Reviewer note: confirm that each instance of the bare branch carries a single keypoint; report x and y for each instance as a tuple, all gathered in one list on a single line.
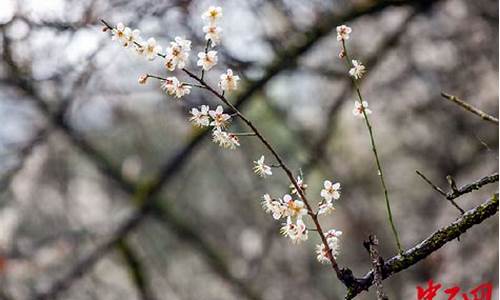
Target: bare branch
[(439, 190), (472, 186), (377, 263), (470, 108)]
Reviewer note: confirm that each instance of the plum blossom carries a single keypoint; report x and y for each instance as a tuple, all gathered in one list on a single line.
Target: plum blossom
[(175, 88), (332, 233), (300, 183), (357, 70), (228, 81), (200, 117), (220, 119), (143, 79), (332, 238), (331, 191), (212, 14), (343, 32), (275, 207), (326, 208), (296, 232), (207, 60), (149, 48), (118, 33), (261, 168), (359, 107), (294, 208), (212, 33), (131, 36), (177, 54), (225, 139)]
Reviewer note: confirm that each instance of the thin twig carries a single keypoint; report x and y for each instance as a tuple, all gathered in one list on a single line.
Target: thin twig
[(476, 185), (440, 191), (156, 77), (375, 152), (470, 108), (377, 262)]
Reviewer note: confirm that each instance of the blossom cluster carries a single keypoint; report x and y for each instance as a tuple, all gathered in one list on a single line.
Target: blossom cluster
[(357, 70), (131, 37), (176, 56), (294, 210), (292, 207), (205, 117)]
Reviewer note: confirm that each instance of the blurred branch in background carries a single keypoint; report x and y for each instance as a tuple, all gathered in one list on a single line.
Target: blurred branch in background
[(136, 269)]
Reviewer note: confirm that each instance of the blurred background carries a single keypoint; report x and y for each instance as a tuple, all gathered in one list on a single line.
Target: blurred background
[(82, 145)]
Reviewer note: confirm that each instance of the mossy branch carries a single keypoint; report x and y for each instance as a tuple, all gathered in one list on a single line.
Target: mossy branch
[(431, 244)]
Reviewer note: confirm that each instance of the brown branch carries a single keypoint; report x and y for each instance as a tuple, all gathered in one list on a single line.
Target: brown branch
[(431, 244), (470, 108), (377, 262)]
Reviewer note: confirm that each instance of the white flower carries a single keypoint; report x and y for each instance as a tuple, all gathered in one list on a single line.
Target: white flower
[(143, 79), (273, 206), (220, 119), (296, 232), (334, 245), (358, 109), (300, 183), (130, 37), (200, 117), (294, 208), (262, 169), (332, 233), (322, 254), (183, 43), (182, 90), (225, 139), (149, 48), (175, 88), (229, 82), (212, 33), (118, 33), (326, 208), (177, 54), (357, 70), (207, 60), (343, 32), (331, 191), (212, 14), (332, 238)]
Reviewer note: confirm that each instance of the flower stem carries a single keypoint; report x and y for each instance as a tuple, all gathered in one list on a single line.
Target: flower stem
[(375, 152), (281, 164)]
